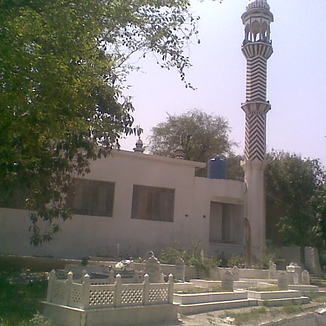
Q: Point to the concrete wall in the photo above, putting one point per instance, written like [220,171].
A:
[97,235]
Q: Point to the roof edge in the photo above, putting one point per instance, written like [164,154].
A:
[164,159]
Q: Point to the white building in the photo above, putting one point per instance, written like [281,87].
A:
[131,203]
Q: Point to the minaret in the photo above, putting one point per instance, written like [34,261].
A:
[257,48]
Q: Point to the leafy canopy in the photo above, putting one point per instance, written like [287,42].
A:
[202,136]
[295,190]
[62,66]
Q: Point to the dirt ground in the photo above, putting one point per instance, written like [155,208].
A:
[225,317]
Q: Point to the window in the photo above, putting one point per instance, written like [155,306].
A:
[224,223]
[152,203]
[93,198]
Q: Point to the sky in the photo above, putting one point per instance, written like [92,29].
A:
[296,76]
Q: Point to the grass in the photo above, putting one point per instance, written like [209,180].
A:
[292,309]
[20,295]
[317,296]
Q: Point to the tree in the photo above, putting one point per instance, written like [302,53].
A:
[319,202]
[202,136]
[62,68]
[293,188]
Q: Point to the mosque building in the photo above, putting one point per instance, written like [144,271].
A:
[132,202]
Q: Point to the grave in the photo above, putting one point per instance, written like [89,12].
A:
[227,281]
[283,281]
[180,269]
[98,303]
[278,298]
[295,273]
[153,268]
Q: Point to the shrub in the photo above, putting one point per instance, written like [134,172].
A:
[236,261]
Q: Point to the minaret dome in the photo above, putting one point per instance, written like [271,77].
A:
[258,4]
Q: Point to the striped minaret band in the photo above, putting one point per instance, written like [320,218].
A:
[255,143]
[256,107]
[256,55]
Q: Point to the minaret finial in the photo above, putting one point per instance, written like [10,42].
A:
[259,4]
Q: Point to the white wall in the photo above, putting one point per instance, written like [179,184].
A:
[93,235]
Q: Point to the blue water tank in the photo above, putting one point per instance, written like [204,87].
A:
[217,168]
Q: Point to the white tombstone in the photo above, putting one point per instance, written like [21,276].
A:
[236,273]
[295,278]
[305,277]
[153,268]
[295,269]
[227,281]
[111,276]
[272,270]
[283,281]
[180,269]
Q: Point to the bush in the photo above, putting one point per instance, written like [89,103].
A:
[170,255]
[263,262]
[191,257]
[322,258]
[236,261]
[27,289]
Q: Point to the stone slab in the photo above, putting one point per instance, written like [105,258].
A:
[268,295]
[195,298]
[304,288]
[123,316]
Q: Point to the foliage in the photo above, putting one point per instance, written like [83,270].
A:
[236,261]
[191,257]
[170,255]
[263,261]
[294,199]
[202,136]
[29,290]
[291,309]
[39,320]
[63,65]
[319,205]
[221,260]
[139,260]
[322,259]
[234,168]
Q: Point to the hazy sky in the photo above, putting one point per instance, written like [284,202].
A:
[296,76]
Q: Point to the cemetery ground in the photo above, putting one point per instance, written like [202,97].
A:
[21,292]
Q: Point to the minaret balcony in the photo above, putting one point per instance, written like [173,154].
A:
[256,107]
[259,48]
